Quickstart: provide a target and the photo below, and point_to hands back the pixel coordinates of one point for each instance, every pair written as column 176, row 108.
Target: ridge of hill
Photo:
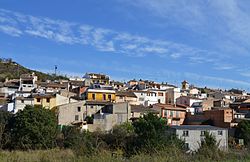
column 12, row 70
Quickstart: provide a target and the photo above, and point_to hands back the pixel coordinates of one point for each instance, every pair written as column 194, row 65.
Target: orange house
column 174, row 114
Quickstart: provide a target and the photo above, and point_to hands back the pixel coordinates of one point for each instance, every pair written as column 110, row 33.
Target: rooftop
column 101, row 90
column 198, row 127
column 98, row 103
column 126, row 93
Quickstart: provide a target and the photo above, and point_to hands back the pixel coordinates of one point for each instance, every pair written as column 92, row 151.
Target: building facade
column 193, row 135
column 100, row 95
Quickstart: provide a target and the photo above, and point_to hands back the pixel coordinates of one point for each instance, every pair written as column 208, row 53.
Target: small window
column 177, row 114
column 93, row 96
column 78, row 109
column 38, row 100
column 141, row 99
column 186, row 146
column 91, row 106
column 160, row 94
column 109, row 96
column 166, row 113
column 220, row 132
column 171, row 113
column 76, row 117
column 104, row 97
column 202, row 133
column 185, row 133
column 22, row 101
column 48, row 100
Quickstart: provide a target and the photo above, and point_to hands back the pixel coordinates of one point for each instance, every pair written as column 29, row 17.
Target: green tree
column 82, row 142
column 209, row 148
column 209, row 141
column 151, row 132
column 5, row 122
column 34, row 128
column 118, row 137
column 243, row 131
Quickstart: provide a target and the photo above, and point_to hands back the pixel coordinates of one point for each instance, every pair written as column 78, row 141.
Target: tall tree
column 34, row 128
column 243, row 131
column 5, row 119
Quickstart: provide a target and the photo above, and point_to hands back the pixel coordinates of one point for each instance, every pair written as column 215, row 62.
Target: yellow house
column 52, row 101
column 45, row 100
column 101, row 95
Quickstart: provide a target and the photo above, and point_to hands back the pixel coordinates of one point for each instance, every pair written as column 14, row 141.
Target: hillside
column 11, row 69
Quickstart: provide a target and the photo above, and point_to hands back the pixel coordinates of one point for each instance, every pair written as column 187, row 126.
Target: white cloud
column 102, row 39
column 10, row 30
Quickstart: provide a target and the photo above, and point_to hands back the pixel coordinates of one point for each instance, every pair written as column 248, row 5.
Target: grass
column 66, row 155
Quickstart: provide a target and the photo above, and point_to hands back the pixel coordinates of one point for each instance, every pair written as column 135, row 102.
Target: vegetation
column 243, row 131
column 32, row 135
column 13, row 70
column 5, row 118
column 34, row 128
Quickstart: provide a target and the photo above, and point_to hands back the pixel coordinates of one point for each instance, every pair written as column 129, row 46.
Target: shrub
column 82, row 142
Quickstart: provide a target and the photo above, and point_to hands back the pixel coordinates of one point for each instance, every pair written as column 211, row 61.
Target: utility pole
column 18, row 70
column 55, row 69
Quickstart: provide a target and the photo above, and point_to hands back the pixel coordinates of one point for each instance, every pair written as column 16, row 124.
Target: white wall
column 60, row 100
column 194, row 138
column 19, row 105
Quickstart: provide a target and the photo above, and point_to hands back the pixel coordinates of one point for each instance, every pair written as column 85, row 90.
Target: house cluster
column 95, row 102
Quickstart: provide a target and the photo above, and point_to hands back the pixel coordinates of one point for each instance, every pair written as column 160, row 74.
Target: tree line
column 35, row 128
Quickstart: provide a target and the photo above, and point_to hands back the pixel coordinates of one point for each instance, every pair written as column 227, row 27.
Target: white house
column 185, row 100
column 21, row 102
column 193, row 135
column 172, row 95
column 146, row 97
column 194, row 91
column 160, row 95
column 28, row 82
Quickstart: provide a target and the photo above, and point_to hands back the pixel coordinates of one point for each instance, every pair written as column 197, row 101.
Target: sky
column 204, row 42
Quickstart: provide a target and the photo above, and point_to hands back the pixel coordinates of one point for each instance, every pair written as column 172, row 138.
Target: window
column 78, row 109
column 166, row 113
column 171, row 113
column 47, row 100
column 91, row 106
column 160, row 94
column 186, row 146
column 185, row 133
column 76, row 117
column 177, row 114
column 22, row 101
column 141, row 99
column 121, row 97
column 109, row 97
column 104, row 97
column 220, row 133
column 93, row 96
column 202, row 133
column 159, row 100
column 38, row 100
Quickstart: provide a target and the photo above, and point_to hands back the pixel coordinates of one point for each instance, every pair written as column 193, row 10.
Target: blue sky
column 205, row 42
